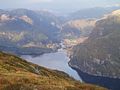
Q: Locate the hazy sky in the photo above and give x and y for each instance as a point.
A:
(56, 5)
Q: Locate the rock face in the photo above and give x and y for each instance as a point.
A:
(17, 74)
(99, 55)
(97, 59)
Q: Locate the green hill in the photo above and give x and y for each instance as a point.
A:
(21, 28)
(18, 74)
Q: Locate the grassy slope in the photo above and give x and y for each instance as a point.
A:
(18, 74)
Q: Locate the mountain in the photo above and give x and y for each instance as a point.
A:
(21, 29)
(90, 13)
(27, 28)
(17, 74)
(24, 31)
(77, 28)
(28, 20)
(81, 23)
(99, 55)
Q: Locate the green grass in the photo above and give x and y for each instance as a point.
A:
(18, 74)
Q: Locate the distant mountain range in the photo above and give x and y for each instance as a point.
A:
(23, 20)
(90, 13)
(77, 28)
(21, 29)
(27, 28)
(81, 23)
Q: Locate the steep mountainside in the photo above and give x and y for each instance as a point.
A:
(21, 29)
(23, 20)
(18, 74)
(77, 28)
(27, 28)
(100, 53)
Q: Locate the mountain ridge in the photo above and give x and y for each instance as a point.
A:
(100, 49)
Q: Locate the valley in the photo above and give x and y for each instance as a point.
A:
(86, 47)
(56, 61)
(17, 74)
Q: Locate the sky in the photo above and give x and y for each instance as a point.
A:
(57, 5)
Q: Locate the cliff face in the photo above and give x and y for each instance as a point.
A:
(18, 74)
(100, 53)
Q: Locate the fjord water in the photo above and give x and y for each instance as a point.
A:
(57, 61)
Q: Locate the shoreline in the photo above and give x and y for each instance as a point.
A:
(62, 58)
(107, 82)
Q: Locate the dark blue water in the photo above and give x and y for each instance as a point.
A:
(110, 83)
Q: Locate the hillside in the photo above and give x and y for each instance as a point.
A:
(25, 21)
(77, 28)
(23, 28)
(17, 74)
(99, 55)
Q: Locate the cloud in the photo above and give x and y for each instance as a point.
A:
(40, 1)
